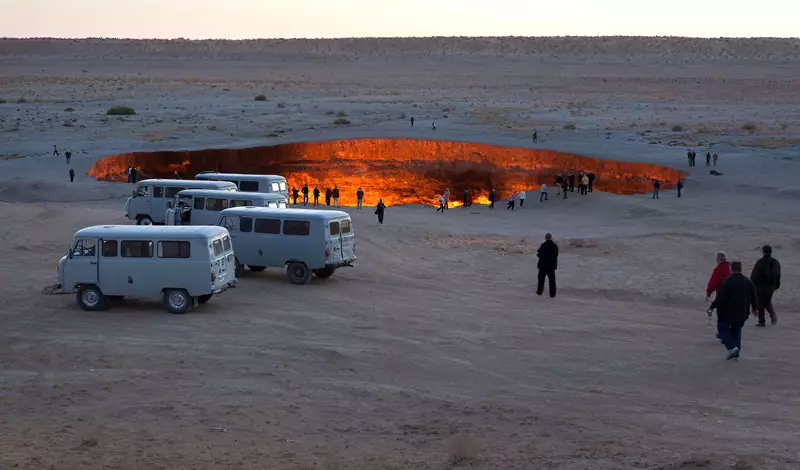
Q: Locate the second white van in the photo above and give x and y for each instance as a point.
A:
(150, 200)
(247, 182)
(202, 206)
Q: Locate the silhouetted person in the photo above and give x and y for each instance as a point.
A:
(130, 167)
(766, 276)
(733, 302)
(328, 196)
(360, 195)
(133, 174)
(564, 187)
(470, 195)
(68, 156)
(316, 196)
(71, 175)
(412, 121)
(591, 181)
(492, 198)
(547, 265)
(336, 195)
(708, 158)
(295, 194)
(694, 158)
(55, 151)
(466, 195)
(679, 186)
(305, 194)
(656, 188)
(571, 182)
(689, 156)
(521, 197)
(535, 137)
(379, 210)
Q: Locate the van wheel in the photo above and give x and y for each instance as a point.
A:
(324, 272)
(298, 273)
(204, 298)
(239, 267)
(90, 298)
(177, 301)
(257, 269)
(144, 220)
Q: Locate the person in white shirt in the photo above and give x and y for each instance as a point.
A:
(441, 203)
(543, 196)
(521, 196)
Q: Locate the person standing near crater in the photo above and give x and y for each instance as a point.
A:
(295, 194)
(336, 195)
(591, 181)
(522, 195)
(379, 210)
(328, 196)
(447, 199)
(512, 200)
(535, 136)
(715, 157)
(547, 265)
(305, 194)
(441, 203)
(68, 156)
(656, 188)
(71, 175)
(679, 186)
(360, 196)
(571, 182)
(708, 158)
(492, 198)
(412, 121)
(316, 196)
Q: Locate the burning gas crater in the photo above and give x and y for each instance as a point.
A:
(401, 171)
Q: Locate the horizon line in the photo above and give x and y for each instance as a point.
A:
(339, 38)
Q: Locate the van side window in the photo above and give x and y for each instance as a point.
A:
(142, 190)
(226, 243)
(245, 224)
(345, 226)
(248, 186)
(240, 202)
(217, 247)
(272, 226)
(109, 248)
(334, 228)
(275, 187)
(214, 204)
(296, 227)
(85, 247)
(171, 191)
(158, 191)
(174, 249)
(136, 249)
(229, 223)
(199, 203)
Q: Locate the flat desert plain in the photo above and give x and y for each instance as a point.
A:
(433, 351)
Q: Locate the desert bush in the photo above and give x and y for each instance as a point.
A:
(783, 124)
(702, 130)
(68, 124)
(570, 126)
(69, 110)
(281, 105)
(341, 121)
(677, 128)
(261, 98)
(329, 113)
(22, 100)
(273, 135)
(120, 111)
(750, 126)
(3, 101)
(341, 114)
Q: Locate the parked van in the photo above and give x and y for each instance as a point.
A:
(184, 265)
(202, 206)
(304, 241)
(250, 183)
(151, 198)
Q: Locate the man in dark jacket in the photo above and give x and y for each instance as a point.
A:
(492, 197)
(316, 196)
(591, 181)
(571, 182)
(548, 263)
(305, 194)
(736, 296)
(766, 276)
(295, 194)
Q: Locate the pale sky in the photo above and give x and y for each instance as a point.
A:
(239, 19)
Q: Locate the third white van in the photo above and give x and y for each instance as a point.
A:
(150, 200)
(202, 206)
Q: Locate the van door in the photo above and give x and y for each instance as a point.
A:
(333, 243)
(348, 240)
(81, 267)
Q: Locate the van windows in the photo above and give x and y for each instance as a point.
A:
(109, 248)
(245, 224)
(226, 243)
(275, 187)
(136, 249)
(214, 204)
(296, 227)
(217, 247)
(229, 223)
(283, 185)
(240, 202)
(142, 191)
(158, 191)
(231, 181)
(334, 228)
(85, 247)
(272, 226)
(281, 205)
(171, 191)
(249, 186)
(199, 203)
(174, 249)
(345, 226)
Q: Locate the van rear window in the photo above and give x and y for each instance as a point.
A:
(171, 191)
(217, 247)
(345, 226)
(296, 227)
(275, 187)
(249, 186)
(334, 228)
(271, 226)
(136, 249)
(226, 243)
(174, 249)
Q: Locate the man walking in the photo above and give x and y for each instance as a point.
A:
(656, 188)
(68, 156)
(733, 302)
(492, 197)
(721, 272)
(535, 136)
(379, 210)
(680, 186)
(441, 203)
(571, 182)
(522, 195)
(766, 276)
(512, 200)
(543, 196)
(55, 150)
(360, 197)
(547, 265)
(71, 175)
(295, 194)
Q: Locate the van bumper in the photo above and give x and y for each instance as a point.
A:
(227, 286)
(341, 264)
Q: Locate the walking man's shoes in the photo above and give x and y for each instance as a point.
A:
(733, 354)
(762, 325)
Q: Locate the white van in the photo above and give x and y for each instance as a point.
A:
(250, 183)
(151, 198)
(183, 265)
(202, 206)
(304, 241)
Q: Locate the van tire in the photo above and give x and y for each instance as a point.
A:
(239, 267)
(90, 298)
(204, 298)
(324, 272)
(298, 273)
(144, 220)
(177, 301)
(257, 269)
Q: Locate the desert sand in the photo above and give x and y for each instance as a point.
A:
(433, 351)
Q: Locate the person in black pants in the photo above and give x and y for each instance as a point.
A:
(656, 188)
(379, 210)
(548, 263)
(71, 175)
(492, 197)
(766, 276)
(591, 181)
(571, 182)
(316, 196)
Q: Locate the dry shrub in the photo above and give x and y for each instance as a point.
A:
(582, 243)
(261, 98)
(750, 126)
(69, 110)
(461, 449)
(677, 128)
(570, 126)
(120, 111)
(341, 121)
(341, 114)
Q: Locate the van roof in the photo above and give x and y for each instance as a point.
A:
(195, 183)
(232, 194)
(238, 175)
(310, 214)
(151, 231)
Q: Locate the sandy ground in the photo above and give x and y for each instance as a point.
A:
(433, 351)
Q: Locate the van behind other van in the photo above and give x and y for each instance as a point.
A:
(248, 182)
(183, 265)
(151, 198)
(202, 206)
(302, 240)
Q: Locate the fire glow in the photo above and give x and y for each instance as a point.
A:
(401, 171)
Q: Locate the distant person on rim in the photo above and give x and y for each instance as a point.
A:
(412, 121)
(295, 194)
(656, 188)
(466, 196)
(133, 174)
(679, 186)
(305, 194)
(360, 197)
(336, 195)
(71, 175)
(316, 196)
(591, 181)
(571, 181)
(547, 265)
(535, 136)
(708, 158)
(328, 196)
(55, 150)
(68, 155)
